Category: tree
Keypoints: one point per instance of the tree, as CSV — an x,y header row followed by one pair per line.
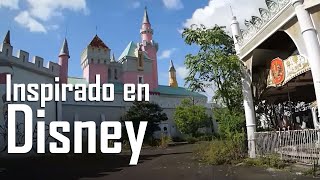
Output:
x,y
146,111
190,117
230,122
215,64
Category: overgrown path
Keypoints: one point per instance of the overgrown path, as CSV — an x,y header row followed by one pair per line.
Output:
x,y
155,164
179,163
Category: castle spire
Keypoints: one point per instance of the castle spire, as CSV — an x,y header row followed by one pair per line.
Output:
x,y
146,30
150,47
172,67
64,62
145,16
7,38
64,49
172,76
113,59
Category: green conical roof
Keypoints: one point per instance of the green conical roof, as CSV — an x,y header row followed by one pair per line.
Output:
x,y
130,51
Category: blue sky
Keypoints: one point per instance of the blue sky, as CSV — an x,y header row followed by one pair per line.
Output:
x,y
39,26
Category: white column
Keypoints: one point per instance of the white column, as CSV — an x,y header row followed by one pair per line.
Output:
x,y
247,94
249,112
235,29
309,34
315,118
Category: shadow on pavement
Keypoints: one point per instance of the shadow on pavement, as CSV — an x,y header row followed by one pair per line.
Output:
x,y
66,167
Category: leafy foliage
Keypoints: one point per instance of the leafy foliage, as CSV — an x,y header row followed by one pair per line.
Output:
x,y
190,117
215,64
273,161
146,111
230,122
218,152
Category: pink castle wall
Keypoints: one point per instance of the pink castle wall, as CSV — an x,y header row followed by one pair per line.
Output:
x,y
63,62
91,70
152,53
146,36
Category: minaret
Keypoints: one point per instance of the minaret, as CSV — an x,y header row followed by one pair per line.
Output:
x,y
64,61
172,76
6,47
150,47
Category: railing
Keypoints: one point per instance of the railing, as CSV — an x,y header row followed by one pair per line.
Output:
x,y
297,145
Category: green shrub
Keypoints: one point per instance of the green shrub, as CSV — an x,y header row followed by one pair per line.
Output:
x,y
189,117
178,139
230,122
218,152
165,141
150,141
272,161
191,139
207,138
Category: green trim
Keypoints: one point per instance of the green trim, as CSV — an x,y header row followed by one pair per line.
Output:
x,y
163,90
180,91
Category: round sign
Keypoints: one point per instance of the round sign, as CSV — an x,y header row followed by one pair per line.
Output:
x,y
277,71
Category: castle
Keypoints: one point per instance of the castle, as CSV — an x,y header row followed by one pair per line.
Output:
x,y
136,65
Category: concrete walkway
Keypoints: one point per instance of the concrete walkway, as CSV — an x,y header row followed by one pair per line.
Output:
x,y
155,164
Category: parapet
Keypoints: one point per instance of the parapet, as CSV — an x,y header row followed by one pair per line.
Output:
x,y
22,60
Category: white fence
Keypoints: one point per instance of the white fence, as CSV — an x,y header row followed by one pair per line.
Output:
x,y
298,145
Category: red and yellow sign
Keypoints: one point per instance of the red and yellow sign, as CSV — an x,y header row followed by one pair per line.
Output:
x,y
277,71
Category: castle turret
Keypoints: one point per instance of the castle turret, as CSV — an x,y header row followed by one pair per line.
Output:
x,y
146,30
7,38
64,61
6,47
95,60
113,59
149,46
172,76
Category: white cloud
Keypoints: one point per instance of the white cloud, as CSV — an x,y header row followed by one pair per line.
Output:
x,y
218,12
166,54
25,20
173,4
136,5
46,9
180,30
53,27
182,72
11,4
37,15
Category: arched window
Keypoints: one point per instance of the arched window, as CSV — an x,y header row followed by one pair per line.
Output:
x,y
140,80
109,73
115,74
140,61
